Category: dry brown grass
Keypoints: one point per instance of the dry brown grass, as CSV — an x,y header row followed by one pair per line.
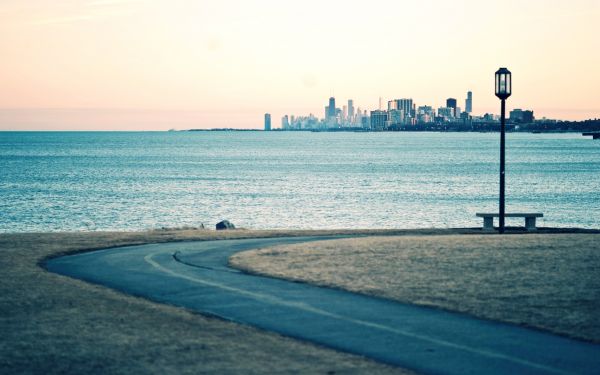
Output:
x,y
55,324
547,281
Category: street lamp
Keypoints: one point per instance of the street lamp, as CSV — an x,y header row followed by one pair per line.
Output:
x,y
503,91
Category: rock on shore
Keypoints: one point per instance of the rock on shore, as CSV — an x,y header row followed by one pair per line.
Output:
x,y
225,224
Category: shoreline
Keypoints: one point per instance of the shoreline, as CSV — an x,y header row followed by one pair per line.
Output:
x,y
52,323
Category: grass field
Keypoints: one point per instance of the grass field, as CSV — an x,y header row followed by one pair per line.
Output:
x,y
50,324
547,281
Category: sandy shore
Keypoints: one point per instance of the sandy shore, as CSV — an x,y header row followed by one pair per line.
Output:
x,y
54,324
547,281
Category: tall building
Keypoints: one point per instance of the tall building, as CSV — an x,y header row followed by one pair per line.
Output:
x,y
451,103
364,121
521,116
446,112
378,120
469,102
395,117
350,110
425,114
405,105
285,122
425,110
330,110
267,122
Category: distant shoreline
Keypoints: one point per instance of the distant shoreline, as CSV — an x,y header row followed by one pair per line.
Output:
x,y
356,130
540,126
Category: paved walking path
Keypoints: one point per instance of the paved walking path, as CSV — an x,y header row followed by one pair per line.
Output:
x,y
195,275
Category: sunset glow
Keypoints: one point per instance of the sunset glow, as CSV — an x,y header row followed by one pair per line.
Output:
x,y
155,65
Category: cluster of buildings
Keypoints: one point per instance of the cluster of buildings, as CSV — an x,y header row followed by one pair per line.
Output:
x,y
519,116
400,113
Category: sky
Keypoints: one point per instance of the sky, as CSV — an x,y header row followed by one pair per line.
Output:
x,y
156,65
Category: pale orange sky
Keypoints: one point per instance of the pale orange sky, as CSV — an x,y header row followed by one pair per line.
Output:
x,y
155,65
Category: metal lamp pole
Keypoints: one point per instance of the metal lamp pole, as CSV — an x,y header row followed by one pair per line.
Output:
x,y
503,91
502,162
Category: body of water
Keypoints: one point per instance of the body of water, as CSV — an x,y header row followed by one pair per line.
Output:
x,y
66,181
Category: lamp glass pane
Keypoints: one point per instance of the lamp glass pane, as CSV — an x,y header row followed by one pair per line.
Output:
x,y
497,82
502,89
509,84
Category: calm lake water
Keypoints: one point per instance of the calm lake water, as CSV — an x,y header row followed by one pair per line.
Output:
x,y
67,181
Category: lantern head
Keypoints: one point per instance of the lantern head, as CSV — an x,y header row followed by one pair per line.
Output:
x,y
503,83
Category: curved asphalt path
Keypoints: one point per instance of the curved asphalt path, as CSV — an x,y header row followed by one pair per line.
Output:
x,y
195,275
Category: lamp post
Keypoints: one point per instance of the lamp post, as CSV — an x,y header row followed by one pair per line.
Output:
x,y
503,91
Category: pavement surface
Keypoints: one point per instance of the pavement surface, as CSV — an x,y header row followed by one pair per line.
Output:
x,y
195,275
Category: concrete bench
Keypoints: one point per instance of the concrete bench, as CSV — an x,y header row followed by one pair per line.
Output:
x,y
488,219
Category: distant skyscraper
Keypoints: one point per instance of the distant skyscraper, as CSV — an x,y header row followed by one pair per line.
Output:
x,y
425,110
364,122
446,112
285,122
469,102
425,114
405,105
350,110
395,117
378,120
267,122
331,108
451,103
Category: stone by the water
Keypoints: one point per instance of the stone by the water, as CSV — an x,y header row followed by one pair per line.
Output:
x,y
225,224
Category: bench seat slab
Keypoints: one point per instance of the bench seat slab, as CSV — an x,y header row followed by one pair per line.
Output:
x,y
530,219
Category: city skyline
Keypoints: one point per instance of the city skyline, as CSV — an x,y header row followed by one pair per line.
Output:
x,y
400,114
130,65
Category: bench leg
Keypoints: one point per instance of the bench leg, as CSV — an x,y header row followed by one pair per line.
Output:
x,y
488,223
530,224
